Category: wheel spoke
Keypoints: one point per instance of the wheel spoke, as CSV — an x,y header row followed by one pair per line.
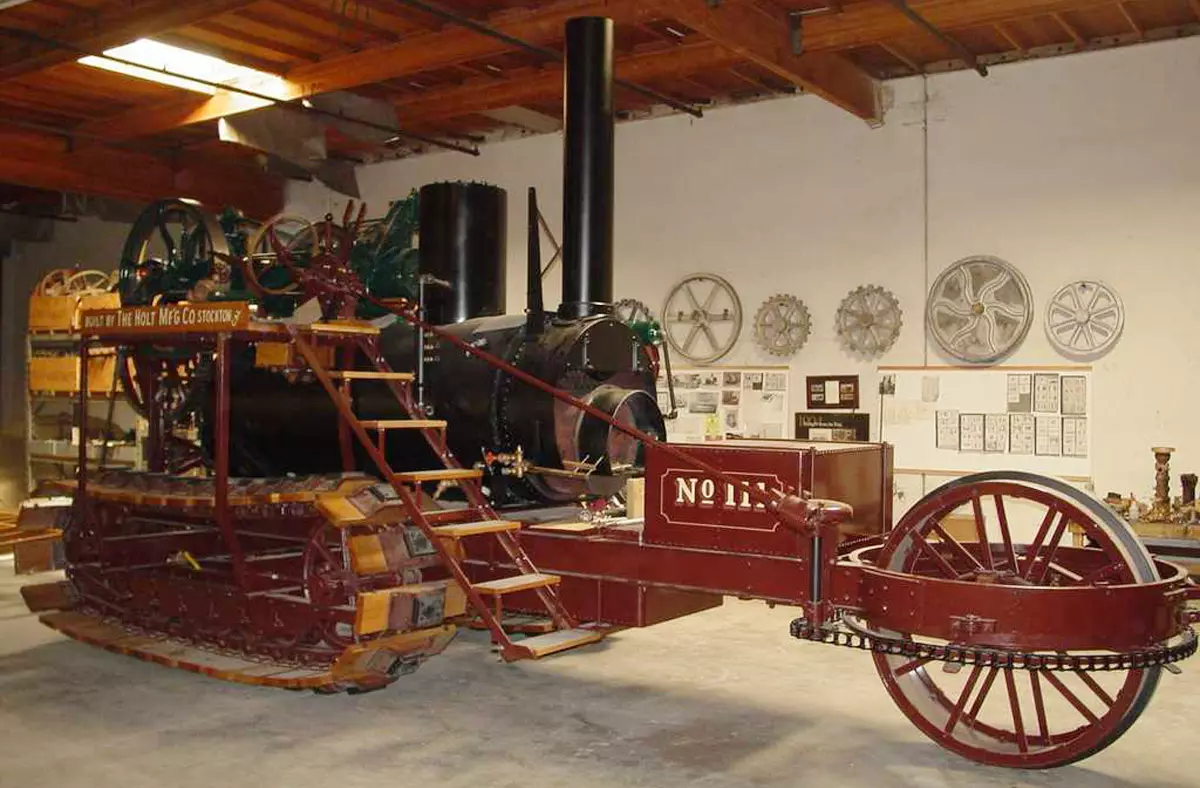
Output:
x,y
985,547
938,558
1036,545
1103,573
909,667
962,700
955,545
1071,697
1095,687
1015,704
973,714
1010,554
1039,706
1051,549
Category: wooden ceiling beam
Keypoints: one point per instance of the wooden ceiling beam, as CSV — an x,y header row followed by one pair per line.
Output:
x,y
423,52
48,161
1072,31
765,39
546,84
108,27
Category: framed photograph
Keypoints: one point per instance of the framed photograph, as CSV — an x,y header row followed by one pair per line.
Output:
x,y
947,429
1047,393
833,426
1048,436
1020,393
970,432
1021,430
1074,436
831,392
995,433
1074,395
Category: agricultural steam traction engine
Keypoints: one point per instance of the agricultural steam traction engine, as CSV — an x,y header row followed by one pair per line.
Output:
x,y
420,486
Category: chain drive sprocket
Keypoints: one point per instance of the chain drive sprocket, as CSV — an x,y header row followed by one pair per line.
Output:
x,y
857,636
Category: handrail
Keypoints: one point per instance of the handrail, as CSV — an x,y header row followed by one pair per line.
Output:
x,y
790,507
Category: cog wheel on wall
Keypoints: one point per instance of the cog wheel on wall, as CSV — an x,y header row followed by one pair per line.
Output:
x,y
782,325
869,321
631,310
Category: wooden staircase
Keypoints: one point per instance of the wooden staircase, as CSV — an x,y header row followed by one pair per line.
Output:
x,y
487,598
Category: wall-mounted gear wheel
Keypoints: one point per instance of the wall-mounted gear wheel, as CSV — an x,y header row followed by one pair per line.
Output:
x,y
782,325
631,310
869,321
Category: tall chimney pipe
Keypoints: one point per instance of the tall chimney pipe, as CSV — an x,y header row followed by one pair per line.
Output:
x,y
587,277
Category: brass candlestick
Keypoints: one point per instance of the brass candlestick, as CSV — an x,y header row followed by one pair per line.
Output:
x,y
1160,510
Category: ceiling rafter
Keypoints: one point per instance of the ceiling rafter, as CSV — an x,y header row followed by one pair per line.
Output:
x,y
422,52
546,84
765,39
54,162
100,29
1072,31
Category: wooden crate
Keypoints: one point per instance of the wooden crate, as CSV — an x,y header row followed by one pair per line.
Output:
x,y
52,313
54,374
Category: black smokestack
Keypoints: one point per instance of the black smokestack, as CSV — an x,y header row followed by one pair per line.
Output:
x,y
588,169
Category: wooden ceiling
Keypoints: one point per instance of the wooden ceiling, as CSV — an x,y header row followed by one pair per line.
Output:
x,y
69,127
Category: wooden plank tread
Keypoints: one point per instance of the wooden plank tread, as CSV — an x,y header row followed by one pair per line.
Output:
x,y
344,327
440,475
459,530
405,424
560,640
369,374
510,585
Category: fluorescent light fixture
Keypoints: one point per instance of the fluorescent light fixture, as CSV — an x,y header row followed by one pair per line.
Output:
x,y
180,68
189,200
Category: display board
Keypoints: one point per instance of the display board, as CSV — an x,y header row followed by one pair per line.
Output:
x,y
726,403
963,419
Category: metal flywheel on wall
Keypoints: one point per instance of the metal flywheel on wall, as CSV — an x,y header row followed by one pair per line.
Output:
x,y
702,318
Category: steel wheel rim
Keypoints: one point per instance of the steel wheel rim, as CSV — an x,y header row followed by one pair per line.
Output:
x,y
954,719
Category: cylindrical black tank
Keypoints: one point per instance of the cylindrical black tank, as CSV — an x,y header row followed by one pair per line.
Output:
x,y
464,238
588,169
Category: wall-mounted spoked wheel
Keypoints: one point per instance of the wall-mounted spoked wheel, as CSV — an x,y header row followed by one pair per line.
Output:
x,y
1056,707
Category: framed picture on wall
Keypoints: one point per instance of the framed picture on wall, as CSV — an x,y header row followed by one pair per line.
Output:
x,y
833,426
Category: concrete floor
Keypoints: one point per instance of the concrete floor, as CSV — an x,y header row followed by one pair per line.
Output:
x,y
725,698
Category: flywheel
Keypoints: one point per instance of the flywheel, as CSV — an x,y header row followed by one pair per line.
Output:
x,y
702,318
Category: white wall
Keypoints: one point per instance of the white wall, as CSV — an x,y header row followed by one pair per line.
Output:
x,y
1078,167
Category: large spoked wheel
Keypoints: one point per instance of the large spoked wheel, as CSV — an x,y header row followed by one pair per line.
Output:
x,y
1019,718
275,248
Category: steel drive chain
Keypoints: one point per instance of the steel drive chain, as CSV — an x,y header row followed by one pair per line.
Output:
x,y
843,633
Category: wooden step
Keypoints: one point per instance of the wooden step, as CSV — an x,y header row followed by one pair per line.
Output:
x,y
369,374
460,530
560,640
440,475
344,327
510,585
405,424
